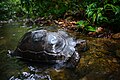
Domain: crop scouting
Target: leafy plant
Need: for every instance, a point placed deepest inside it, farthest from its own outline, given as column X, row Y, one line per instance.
column 95, row 14
column 85, row 26
column 99, row 13
column 10, row 9
column 27, row 7
column 105, row 13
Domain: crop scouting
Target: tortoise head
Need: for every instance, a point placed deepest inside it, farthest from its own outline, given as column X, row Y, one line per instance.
column 82, row 44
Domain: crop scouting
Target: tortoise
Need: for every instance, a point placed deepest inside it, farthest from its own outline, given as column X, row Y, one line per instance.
column 51, row 47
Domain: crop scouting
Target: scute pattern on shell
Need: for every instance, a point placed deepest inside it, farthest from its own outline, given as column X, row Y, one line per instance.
column 46, row 46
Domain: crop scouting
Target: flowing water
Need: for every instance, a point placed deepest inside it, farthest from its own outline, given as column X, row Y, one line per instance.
column 100, row 62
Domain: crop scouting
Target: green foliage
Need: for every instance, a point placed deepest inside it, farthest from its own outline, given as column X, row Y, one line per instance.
column 95, row 12
column 82, row 24
column 10, row 9
column 101, row 12
column 85, row 26
column 27, row 7
column 38, row 8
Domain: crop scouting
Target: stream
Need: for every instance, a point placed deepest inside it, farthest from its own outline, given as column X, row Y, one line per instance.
column 101, row 61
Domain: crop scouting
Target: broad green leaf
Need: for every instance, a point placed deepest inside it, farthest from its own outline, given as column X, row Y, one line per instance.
column 113, row 8
column 103, row 18
column 90, row 14
column 80, row 23
column 117, row 9
column 98, row 16
column 91, row 28
column 99, row 10
column 94, row 17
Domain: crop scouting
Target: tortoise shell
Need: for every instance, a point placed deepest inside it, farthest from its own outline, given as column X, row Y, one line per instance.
column 46, row 46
